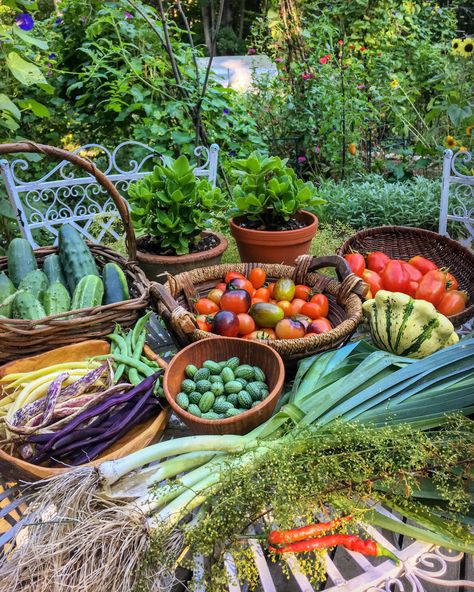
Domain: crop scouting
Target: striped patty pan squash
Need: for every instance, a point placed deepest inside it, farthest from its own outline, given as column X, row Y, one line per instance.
column 407, row 327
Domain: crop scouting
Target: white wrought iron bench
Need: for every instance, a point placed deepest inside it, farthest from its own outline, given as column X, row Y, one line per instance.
column 58, row 196
column 457, row 194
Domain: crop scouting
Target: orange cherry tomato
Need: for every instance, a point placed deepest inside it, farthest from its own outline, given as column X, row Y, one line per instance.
column 296, row 305
column 302, row 291
column 247, row 324
column 285, row 305
column 263, row 293
column 236, row 301
column 312, row 310
column 261, row 334
column 453, row 302
column 271, row 286
column 373, row 279
column 432, row 287
column 257, row 300
column 241, row 284
column 323, row 302
column 422, row 264
column 221, row 286
column 451, row 282
column 289, row 329
column 411, row 289
column 257, row 277
column 320, row 326
column 232, row 275
column 215, row 295
column 205, row 306
column 204, row 323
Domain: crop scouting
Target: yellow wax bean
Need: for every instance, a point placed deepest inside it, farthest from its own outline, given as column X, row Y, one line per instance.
column 22, row 377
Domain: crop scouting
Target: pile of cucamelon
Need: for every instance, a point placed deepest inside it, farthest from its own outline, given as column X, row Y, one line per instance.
column 69, row 280
column 219, row 390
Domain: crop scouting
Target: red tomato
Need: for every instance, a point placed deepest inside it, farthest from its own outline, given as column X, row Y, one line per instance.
column 221, row 286
column 289, row 329
column 376, row 261
column 256, row 300
column 453, row 302
column 296, row 305
column 414, row 273
column 285, row 305
column 394, row 276
column 356, row 262
column 247, row 324
column 432, row 287
column 374, row 281
column 271, row 286
column 311, row 310
column 411, row 288
column 204, row 322
column 232, row 275
column 236, row 301
column 302, row 291
column 263, row 293
column 319, row 326
column 241, row 284
column 226, row 323
column 205, row 306
column 422, row 264
column 257, row 277
column 215, row 295
column 451, row 282
column 261, row 334
column 323, row 302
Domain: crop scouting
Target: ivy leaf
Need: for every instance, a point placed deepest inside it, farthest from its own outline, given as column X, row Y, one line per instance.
column 25, row 72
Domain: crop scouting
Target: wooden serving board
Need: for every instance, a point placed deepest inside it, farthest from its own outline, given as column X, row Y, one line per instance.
column 139, row 437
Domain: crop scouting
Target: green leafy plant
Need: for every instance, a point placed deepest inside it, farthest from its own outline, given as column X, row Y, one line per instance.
column 174, row 207
column 268, row 192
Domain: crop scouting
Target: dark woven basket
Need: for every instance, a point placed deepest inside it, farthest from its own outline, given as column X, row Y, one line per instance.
column 403, row 242
column 21, row 338
column 174, row 301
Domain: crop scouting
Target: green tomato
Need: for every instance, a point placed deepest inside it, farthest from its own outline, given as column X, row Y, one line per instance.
column 284, row 289
column 266, row 314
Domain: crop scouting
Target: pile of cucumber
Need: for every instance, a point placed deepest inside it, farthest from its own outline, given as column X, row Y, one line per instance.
column 69, row 280
column 219, row 390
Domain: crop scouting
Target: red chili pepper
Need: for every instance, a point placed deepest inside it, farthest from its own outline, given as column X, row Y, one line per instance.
column 353, row 543
column 279, row 537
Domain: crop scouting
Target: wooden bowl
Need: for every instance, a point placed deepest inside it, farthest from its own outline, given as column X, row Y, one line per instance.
column 139, row 437
column 219, row 349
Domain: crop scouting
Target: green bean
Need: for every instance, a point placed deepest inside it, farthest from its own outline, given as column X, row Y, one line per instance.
column 128, row 341
column 139, row 327
column 118, row 372
column 139, row 345
column 119, row 342
column 134, row 377
column 129, row 361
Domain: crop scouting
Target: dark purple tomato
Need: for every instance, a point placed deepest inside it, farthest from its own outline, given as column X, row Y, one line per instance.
column 226, row 323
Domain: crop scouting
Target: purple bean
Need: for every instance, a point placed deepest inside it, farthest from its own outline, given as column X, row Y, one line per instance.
column 100, row 408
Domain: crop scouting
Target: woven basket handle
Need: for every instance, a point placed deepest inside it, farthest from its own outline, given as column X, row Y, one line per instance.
column 172, row 312
column 349, row 281
column 90, row 167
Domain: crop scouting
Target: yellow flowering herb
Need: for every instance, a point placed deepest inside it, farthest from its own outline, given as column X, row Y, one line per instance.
column 450, row 142
column 394, row 84
column 456, row 45
column 469, row 130
column 467, row 47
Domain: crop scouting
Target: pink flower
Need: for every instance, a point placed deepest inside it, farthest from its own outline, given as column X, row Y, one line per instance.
column 341, row 42
column 307, row 75
column 127, row 15
column 278, row 60
column 317, row 149
column 301, row 158
column 323, row 60
column 360, row 86
column 251, row 51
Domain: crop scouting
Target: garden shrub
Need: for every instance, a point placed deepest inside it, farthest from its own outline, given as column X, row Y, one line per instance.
column 370, row 201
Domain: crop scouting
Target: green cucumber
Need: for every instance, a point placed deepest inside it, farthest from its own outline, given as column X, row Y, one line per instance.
column 76, row 259
column 56, row 299
column 53, row 270
column 213, row 367
column 7, row 289
column 245, row 371
column 202, row 374
column 188, row 385
column 206, row 402
column 245, row 400
column 27, row 307
column 233, row 386
column 21, row 260
column 115, row 283
column 36, row 283
column 182, row 400
column 88, row 293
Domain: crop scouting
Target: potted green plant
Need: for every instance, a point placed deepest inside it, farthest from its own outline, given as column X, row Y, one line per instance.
column 274, row 218
column 173, row 210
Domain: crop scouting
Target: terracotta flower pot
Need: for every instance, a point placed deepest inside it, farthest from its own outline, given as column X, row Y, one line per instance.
column 274, row 246
column 155, row 265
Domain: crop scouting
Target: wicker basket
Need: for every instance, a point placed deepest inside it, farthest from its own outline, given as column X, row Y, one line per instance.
column 403, row 242
column 20, row 338
column 174, row 301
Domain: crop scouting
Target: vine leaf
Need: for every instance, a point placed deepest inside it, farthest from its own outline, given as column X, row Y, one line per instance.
column 25, row 72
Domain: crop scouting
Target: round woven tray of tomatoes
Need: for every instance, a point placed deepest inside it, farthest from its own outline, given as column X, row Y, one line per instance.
column 252, row 308
column 419, row 277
